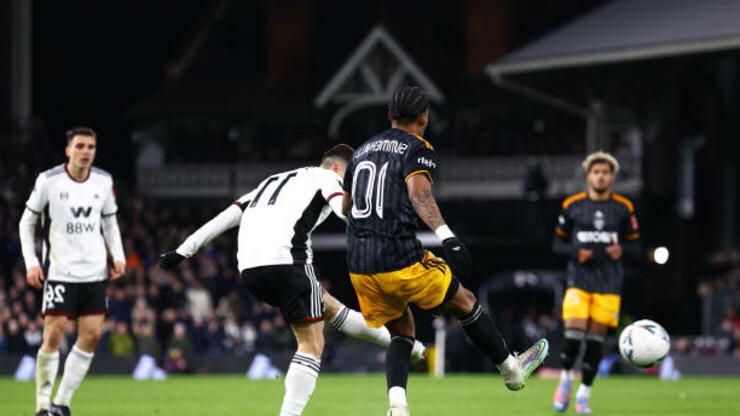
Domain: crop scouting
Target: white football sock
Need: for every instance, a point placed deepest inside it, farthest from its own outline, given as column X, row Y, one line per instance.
column 566, row 375
column 353, row 324
column 300, row 382
column 397, row 396
column 47, row 366
column 510, row 368
column 584, row 391
column 75, row 369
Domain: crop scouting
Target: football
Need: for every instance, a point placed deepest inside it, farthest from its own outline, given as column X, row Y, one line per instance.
column 644, row 343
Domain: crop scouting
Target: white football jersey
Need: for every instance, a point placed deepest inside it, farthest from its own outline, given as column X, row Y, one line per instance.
column 73, row 249
column 280, row 214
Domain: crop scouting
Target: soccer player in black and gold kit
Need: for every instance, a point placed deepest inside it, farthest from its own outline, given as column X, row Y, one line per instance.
column 596, row 228
column 387, row 185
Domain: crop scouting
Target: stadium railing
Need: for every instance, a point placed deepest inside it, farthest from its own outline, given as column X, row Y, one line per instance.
column 482, row 178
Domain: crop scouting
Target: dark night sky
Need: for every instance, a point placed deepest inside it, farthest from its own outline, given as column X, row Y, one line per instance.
column 94, row 60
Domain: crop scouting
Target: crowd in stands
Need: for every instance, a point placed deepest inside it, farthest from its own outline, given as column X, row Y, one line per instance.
column 457, row 136
column 199, row 309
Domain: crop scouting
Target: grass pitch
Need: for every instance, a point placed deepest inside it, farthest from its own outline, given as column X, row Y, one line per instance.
column 364, row 395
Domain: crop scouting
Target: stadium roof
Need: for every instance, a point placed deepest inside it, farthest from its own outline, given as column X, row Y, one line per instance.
column 365, row 74
column 629, row 30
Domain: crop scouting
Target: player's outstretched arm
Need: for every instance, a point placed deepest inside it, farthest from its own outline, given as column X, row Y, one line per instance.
column 227, row 219
column 420, row 193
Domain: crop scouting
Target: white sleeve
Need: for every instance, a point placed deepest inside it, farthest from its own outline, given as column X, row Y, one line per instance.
column 109, row 205
column 228, row 218
column 109, row 222
column 38, row 199
column 331, row 189
column 26, row 230
column 112, row 235
column 336, row 206
column 35, row 204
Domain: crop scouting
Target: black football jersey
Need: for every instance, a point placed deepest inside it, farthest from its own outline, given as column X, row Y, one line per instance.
column 594, row 225
column 382, row 224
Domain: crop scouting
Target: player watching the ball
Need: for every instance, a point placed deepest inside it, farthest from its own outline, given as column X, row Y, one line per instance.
column 596, row 228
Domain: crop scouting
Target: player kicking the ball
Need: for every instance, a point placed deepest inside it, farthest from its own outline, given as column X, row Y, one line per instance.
column 389, row 183
column 594, row 230
column 276, row 262
column 75, row 201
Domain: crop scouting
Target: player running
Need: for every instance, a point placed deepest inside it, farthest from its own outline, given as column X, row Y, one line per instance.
column 595, row 229
column 75, row 201
column 388, row 183
column 276, row 262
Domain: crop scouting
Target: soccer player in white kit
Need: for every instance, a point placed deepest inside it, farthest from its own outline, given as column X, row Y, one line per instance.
column 276, row 262
column 75, row 201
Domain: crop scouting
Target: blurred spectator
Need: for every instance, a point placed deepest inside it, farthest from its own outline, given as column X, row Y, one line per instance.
column 121, row 343
column 119, row 304
column 16, row 345
column 4, row 344
column 179, row 356
column 32, row 337
column 146, row 344
column 199, row 300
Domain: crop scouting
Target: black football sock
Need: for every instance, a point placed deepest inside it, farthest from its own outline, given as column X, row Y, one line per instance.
column 482, row 331
column 592, row 358
column 397, row 361
column 571, row 348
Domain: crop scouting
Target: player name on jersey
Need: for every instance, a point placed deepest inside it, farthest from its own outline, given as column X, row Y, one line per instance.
column 382, row 224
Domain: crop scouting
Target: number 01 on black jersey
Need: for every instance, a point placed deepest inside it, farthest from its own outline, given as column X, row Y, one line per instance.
column 382, row 223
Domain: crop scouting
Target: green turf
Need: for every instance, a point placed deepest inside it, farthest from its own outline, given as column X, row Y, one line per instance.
column 363, row 395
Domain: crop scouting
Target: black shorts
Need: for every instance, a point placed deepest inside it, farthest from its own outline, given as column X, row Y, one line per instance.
column 74, row 299
column 294, row 289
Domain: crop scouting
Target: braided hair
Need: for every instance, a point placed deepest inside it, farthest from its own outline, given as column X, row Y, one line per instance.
column 407, row 104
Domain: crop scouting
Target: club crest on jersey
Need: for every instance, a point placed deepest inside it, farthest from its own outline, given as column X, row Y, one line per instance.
column 599, row 220
column 63, row 196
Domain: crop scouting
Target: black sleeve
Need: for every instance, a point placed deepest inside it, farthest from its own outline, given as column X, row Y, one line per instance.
column 630, row 228
column 631, row 247
column 563, row 243
column 424, row 160
column 564, row 247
